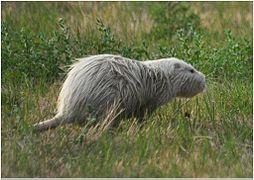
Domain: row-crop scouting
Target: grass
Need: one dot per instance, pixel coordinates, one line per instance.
(209, 135)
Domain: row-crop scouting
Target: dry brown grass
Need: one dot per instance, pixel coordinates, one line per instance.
(218, 16)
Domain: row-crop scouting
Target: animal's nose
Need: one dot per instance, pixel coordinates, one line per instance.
(202, 87)
(204, 90)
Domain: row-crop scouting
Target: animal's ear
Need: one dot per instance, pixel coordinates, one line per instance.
(177, 65)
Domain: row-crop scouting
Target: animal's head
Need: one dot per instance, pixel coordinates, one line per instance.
(186, 80)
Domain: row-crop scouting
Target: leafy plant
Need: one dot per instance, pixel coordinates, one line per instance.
(170, 17)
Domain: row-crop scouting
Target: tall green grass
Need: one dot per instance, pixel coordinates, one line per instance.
(207, 136)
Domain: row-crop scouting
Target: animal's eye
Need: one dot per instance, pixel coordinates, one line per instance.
(192, 70)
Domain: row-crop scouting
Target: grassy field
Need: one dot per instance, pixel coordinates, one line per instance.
(207, 136)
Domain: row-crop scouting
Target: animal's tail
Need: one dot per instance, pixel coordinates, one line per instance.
(48, 124)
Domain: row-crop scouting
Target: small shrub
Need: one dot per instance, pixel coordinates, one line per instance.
(170, 17)
(34, 56)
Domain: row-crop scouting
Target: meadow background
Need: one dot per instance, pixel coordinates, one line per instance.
(207, 136)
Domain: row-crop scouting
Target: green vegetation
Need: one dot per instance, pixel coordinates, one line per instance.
(206, 136)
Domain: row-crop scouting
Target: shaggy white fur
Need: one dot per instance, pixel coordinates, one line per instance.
(96, 84)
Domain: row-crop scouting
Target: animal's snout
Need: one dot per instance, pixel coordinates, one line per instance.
(201, 74)
(202, 84)
(202, 87)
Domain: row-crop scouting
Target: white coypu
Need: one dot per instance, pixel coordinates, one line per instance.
(97, 83)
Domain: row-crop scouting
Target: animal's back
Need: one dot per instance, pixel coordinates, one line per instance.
(96, 83)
